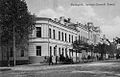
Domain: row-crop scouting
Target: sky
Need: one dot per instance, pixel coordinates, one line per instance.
(103, 13)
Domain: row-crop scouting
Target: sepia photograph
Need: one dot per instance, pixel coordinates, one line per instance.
(59, 38)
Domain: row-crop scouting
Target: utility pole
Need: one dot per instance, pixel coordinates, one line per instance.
(14, 48)
(89, 35)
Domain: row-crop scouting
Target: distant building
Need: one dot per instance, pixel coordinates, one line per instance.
(7, 55)
(55, 37)
(118, 46)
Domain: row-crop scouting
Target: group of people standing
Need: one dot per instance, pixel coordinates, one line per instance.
(53, 60)
(60, 59)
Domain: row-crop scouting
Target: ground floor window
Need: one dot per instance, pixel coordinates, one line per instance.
(11, 52)
(59, 51)
(22, 53)
(66, 52)
(62, 51)
(50, 50)
(54, 51)
(38, 50)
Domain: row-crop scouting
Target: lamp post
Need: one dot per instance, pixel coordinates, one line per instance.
(14, 48)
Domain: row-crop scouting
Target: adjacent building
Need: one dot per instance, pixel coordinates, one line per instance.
(7, 55)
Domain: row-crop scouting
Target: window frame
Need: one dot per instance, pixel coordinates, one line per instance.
(53, 33)
(22, 53)
(50, 35)
(38, 32)
(38, 51)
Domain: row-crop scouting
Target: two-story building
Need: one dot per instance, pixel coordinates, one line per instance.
(54, 37)
(50, 38)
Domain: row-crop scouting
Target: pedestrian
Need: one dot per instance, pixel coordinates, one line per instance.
(50, 60)
(56, 59)
(117, 56)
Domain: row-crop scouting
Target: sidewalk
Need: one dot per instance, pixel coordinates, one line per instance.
(34, 67)
(5, 68)
(38, 66)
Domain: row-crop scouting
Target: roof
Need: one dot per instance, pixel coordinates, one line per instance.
(51, 20)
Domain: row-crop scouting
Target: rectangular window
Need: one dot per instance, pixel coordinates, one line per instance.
(62, 36)
(59, 51)
(72, 38)
(22, 53)
(65, 37)
(59, 35)
(49, 33)
(11, 52)
(69, 37)
(50, 51)
(38, 50)
(54, 51)
(38, 31)
(66, 52)
(53, 34)
(63, 51)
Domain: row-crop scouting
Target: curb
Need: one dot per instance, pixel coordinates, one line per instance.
(5, 69)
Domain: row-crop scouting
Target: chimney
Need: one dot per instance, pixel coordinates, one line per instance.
(69, 20)
(90, 24)
(56, 19)
(61, 20)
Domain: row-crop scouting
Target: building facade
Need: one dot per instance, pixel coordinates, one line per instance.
(7, 56)
(55, 37)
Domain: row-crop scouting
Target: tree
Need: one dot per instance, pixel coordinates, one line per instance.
(100, 48)
(79, 45)
(117, 40)
(16, 23)
(104, 48)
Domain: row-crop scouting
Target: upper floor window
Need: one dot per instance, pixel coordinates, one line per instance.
(38, 31)
(62, 36)
(58, 35)
(49, 33)
(53, 34)
(72, 38)
(65, 37)
(38, 50)
(69, 38)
